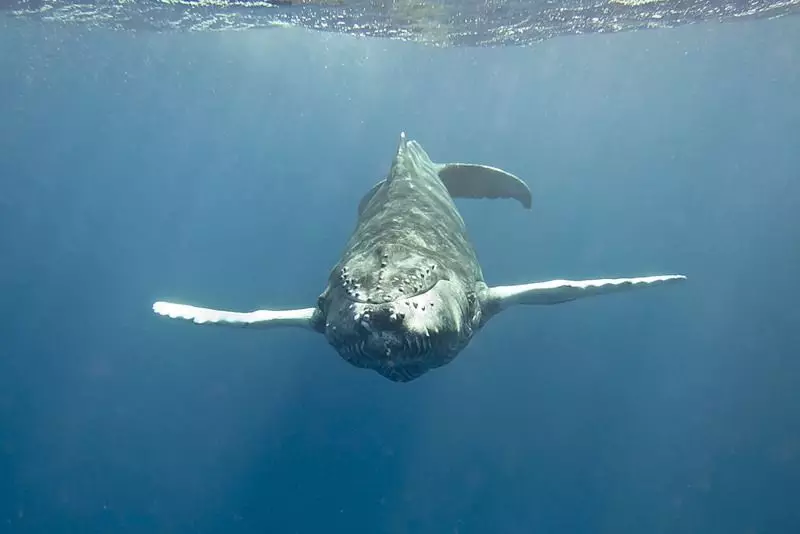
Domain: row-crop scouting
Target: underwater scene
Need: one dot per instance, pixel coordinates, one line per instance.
(446, 267)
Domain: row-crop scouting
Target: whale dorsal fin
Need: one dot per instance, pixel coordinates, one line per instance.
(466, 180)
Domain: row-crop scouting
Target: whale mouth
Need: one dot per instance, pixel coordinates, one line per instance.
(405, 373)
(404, 370)
(388, 348)
(400, 357)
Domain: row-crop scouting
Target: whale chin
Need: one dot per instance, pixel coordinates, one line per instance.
(402, 373)
(387, 350)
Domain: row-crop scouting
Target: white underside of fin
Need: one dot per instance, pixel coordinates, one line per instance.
(258, 318)
(557, 291)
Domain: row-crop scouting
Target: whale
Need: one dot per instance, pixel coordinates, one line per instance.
(408, 294)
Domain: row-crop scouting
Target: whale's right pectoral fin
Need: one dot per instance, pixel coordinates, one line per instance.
(467, 180)
(254, 319)
(557, 291)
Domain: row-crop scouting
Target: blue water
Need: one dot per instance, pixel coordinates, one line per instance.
(435, 22)
(226, 169)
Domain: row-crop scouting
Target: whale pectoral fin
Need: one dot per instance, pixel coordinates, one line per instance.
(557, 291)
(254, 319)
(464, 180)
(362, 205)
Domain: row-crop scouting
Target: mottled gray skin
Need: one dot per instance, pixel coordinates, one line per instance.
(405, 297)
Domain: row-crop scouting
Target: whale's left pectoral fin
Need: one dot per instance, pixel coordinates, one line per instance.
(254, 319)
(557, 291)
(466, 180)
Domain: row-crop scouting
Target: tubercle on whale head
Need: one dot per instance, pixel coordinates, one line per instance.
(386, 274)
(417, 332)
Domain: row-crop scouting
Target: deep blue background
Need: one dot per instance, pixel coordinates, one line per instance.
(225, 169)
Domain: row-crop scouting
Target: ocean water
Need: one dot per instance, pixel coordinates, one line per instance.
(225, 169)
(434, 22)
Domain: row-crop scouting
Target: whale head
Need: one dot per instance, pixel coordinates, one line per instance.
(400, 318)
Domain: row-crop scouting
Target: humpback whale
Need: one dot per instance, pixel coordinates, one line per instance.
(408, 293)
